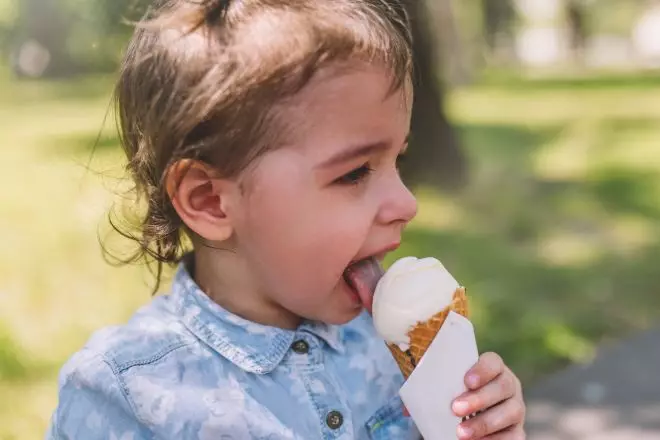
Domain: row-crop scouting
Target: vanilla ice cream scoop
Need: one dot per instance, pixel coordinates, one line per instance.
(411, 291)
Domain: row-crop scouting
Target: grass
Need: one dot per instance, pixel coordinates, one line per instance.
(557, 237)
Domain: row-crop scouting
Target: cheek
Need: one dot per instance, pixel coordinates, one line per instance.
(302, 243)
(300, 237)
(299, 244)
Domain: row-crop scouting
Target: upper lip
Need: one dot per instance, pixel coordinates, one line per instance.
(379, 253)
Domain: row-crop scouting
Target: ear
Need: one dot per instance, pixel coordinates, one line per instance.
(201, 199)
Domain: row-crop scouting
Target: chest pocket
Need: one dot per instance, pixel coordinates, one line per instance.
(389, 423)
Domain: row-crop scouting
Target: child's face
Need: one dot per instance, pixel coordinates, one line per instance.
(331, 197)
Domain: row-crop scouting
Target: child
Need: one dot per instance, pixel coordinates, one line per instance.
(267, 131)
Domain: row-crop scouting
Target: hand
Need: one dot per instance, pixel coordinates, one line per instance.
(496, 395)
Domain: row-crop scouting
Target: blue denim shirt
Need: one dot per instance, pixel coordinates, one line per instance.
(184, 368)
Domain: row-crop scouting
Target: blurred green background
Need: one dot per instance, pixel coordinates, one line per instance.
(556, 231)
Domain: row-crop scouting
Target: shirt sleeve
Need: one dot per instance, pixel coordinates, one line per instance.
(92, 405)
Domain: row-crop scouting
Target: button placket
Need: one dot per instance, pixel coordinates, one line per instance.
(307, 358)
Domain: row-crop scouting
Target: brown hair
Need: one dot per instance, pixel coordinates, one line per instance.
(200, 79)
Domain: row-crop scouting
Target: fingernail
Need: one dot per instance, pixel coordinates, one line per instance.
(473, 380)
(464, 432)
(460, 407)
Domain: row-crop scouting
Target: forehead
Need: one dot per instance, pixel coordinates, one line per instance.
(351, 104)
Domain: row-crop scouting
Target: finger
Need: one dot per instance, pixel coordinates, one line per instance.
(503, 387)
(487, 368)
(405, 412)
(513, 433)
(506, 415)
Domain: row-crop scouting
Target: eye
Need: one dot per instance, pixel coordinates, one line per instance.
(356, 176)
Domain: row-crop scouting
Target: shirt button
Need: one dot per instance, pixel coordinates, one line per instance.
(334, 420)
(300, 347)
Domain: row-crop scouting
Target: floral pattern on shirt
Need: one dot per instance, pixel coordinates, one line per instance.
(184, 368)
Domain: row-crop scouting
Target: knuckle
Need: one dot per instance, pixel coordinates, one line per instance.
(507, 385)
(519, 411)
(493, 357)
(480, 427)
(477, 401)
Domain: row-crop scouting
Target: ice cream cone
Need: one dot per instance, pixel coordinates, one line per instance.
(423, 334)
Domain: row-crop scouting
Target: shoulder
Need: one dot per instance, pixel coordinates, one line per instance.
(151, 344)
(152, 368)
(98, 368)
(92, 403)
(147, 398)
(151, 334)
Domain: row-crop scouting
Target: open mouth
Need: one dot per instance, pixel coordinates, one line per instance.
(351, 284)
(362, 278)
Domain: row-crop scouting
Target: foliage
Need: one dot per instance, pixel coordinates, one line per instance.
(557, 237)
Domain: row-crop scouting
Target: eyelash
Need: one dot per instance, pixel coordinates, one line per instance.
(358, 175)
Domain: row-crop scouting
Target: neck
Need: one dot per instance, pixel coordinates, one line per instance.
(225, 277)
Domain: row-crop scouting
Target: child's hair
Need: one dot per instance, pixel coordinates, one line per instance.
(201, 78)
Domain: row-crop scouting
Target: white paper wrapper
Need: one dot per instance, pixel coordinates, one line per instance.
(439, 378)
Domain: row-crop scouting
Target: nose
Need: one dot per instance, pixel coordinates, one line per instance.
(399, 204)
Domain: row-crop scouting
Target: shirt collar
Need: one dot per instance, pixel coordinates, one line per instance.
(255, 348)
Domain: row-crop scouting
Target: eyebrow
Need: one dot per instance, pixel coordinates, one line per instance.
(353, 153)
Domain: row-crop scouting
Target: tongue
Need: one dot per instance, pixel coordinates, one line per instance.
(363, 276)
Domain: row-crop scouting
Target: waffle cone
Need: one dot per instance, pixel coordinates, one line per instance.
(423, 334)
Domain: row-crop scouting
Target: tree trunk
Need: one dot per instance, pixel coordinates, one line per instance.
(498, 18)
(576, 16)
(435, 157)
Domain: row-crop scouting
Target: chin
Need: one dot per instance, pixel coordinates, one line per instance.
(342, 317)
